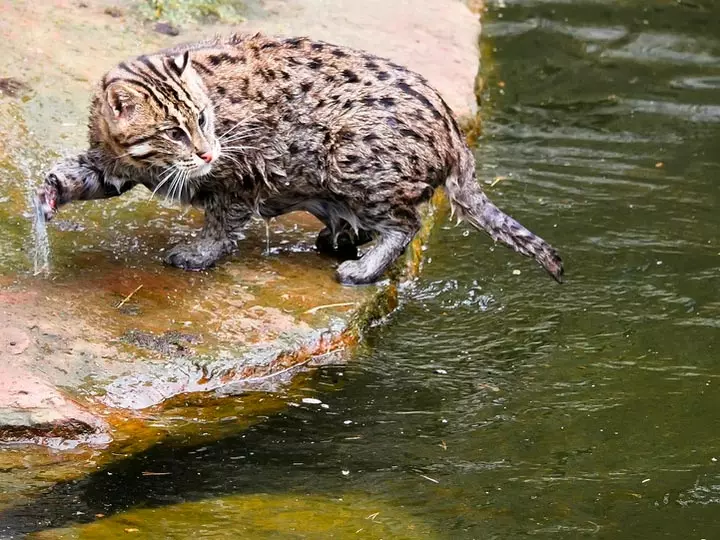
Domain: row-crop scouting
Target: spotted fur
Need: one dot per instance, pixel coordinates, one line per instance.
(253, 125)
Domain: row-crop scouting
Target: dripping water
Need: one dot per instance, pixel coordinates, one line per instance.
(41, 242)
(267, 237)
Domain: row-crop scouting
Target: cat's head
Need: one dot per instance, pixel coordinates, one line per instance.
(154, 111)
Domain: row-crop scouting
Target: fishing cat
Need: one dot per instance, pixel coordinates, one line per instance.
(254, 125)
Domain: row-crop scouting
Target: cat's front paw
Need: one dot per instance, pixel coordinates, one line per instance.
(46, 199)
(199, 256)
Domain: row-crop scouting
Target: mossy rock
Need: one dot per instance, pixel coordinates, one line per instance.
(183, 11)
(254, 516)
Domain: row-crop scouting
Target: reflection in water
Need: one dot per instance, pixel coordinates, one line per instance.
(495, 404)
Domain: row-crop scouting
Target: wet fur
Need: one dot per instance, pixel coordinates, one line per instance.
(354, 139)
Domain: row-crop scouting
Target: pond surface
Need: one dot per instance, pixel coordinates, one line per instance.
(495, 403)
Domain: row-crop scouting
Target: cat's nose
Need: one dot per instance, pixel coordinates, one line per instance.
(207, 157)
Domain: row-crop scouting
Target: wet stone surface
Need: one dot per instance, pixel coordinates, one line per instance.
(99, 345)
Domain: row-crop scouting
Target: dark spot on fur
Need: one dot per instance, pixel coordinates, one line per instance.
(383, 76)
(349, 103)
(295, 43)
(293, 149)
(294, 61)
(368, 101)
(201, 68)
(317, 46)
(387, 102)
(370, 137)
(320, 103)
(407, 132)
(338, 53)
(217, 59)
(368, 83)
(270, 45)
(351, 76)
(397, 167)
(409, 90)
(265, 74)
(221, 90)
(330, 78)
(315, 63)
(371, 65)
(306, 86)
(285, 75)
(326, 138)
(351, 158)
(347, 136)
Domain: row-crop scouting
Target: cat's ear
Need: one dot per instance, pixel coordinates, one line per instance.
(180, 63)
(122, 100)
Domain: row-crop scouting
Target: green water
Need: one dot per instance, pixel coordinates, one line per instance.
(494, 404)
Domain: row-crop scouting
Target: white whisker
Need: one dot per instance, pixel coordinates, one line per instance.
(173, 182)
(241, 148)
(166, 174)
(241, 123)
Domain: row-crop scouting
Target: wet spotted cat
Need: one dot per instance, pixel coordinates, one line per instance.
(254, 125)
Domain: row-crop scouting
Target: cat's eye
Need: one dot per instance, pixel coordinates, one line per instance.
(202, 119)
(177, 134)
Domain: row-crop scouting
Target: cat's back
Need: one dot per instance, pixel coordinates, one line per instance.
(313, 81)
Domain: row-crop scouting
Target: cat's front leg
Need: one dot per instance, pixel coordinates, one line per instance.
(81, 178)
(224, 220)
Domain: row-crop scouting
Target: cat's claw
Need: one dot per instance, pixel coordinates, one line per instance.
(46, 200)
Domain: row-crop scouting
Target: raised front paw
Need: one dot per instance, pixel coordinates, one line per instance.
(46, 199)
(197, 256)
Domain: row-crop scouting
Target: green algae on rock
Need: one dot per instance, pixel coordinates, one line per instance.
(255, 516)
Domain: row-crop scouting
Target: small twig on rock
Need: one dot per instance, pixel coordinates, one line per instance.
(318, 308)
(128, 297)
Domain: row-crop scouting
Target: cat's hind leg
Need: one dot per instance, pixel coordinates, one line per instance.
(393, 239)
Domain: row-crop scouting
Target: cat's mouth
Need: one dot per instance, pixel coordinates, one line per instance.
(201, 170)
(203, 164)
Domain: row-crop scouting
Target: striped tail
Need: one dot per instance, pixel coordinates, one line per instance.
(472, 205)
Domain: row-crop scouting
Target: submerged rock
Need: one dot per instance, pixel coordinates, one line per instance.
(257, 516)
